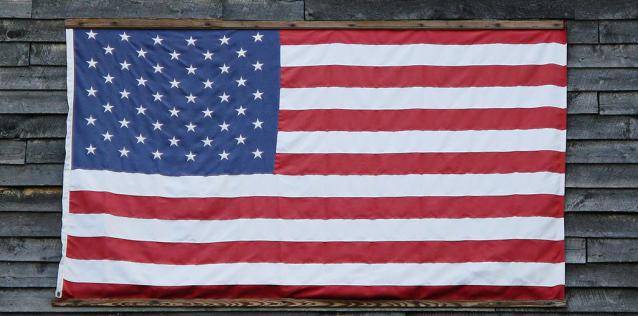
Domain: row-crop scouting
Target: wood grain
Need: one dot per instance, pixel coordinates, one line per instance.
(403, 24)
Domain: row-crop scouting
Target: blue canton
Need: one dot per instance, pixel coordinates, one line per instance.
(195, 102)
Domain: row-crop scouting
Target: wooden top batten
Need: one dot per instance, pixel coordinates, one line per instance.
(222, 24)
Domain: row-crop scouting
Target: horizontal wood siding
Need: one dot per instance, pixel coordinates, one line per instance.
(602, 150)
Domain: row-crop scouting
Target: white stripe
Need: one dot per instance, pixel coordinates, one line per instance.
(404, 274)
(206, 231)
(422, 98)
(423, 54)
(421, 141)
(318, 186)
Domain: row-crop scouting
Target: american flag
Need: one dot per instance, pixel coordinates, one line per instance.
(354, 164)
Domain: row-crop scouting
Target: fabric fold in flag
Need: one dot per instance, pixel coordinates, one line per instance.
(315, 164)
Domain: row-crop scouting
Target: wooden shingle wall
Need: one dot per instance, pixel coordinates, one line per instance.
(602, 176)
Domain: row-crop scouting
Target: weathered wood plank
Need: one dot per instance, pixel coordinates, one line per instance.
(612, 250)
(45, 199)
(584, 32)
(30, 249)
(47, 54)
(601, 127)
(15, 9)
(582, 103)
(33, 78)
(404, 24)
(602, 275)
(25, 30)
(40, 102)
(431, 9)
(600, 56)
(601, 225)
(45, 9)
(601, 176)
(32, 126)
(31, 175)
(263, 9)
(28, 274)
(14, 54)
(606, 151)
(601, 200)
(30, 224)
(618, 31)
(619, 103)
(602, 300)
(45, 151)
(12, 152)
(602, 79)
(605, 10)
(575, 250)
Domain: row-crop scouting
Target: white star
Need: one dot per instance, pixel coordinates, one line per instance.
(258, 123)
(208, 55)
(224, 155)
(141, 110)
(224, 97)
(91, 34)
(174, 112)
(140, 139)
(190, 98)
(174, 142)
(174, 83)
(257, 153)
(224, 126)
(241, 139)
(124, 152)
(241, 53)
(108, 78)
(157, 96)
(207, 84)
(207, 142)
(124, 94)
(191, 41)
(258, 94)
(157, 40)
(157, 154)
(125, 65)
(190, 156)
(190, 127)
(208, 113)
(107, 136)
(92, 63)
(224, 69)
(241, 82)
(90, 150)
(141, 81)
(108, 49)
(224, 40)
(257, 66)
(191, 70)
(107, 107)
(91, 92)
(124, 123)
(90, 120)
(124, 36)
(258, 37)
(157, 125)
(174, 55)
(241, 110)
(157, 68)
(141, 53)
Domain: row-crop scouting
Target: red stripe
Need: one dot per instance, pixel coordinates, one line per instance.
(423, 76)
(107, 248)
(422, 119)
(462, 292)
(390, 37)
(88, 202)
(420, 163)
